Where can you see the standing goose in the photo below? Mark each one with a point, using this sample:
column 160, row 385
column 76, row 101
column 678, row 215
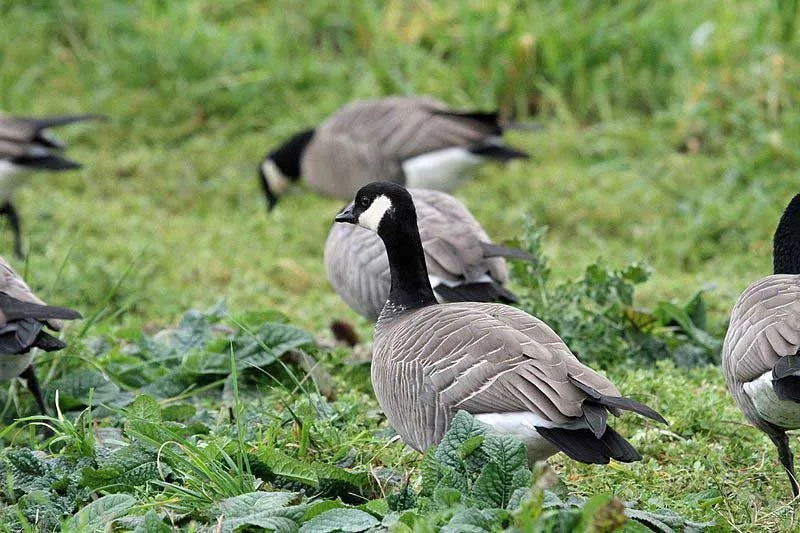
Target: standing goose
column 23, row 317
column 462, row 264
column 504, row 366
column 25, row 145
column 416, row 141
column 760, row 354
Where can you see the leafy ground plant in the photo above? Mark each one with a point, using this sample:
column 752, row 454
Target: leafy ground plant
column 597, row 317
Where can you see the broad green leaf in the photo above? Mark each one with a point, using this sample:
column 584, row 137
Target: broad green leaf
column 260, row 349
column 280, row 464
column 146, row 408
column 267, row 510
column 431, row 472
column 463, row 427
column 347, row 520
column 99, row 514
column 505, row 473
column 180, row 412
column 76, row 387
column 127, row 468
column 152, row 523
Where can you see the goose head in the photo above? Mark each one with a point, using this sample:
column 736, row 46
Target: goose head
column 786, row 242
column 382, row 207
column 281, row 167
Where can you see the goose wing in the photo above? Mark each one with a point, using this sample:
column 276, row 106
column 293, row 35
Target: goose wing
column 405, row 127
column 453, row 240
column 764, row 326
column 483, row 358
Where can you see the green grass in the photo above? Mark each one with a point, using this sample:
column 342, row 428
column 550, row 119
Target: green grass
column 670, row 135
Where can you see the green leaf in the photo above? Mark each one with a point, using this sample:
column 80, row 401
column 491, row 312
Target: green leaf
column 127, row 468
column 431, row 472
column 505, row 473
column 152, row 523
column 75, row 387
column 463, row 427
column 469, row 446
column 99, row 514
column 260, row 349
column 146, row 408
column 696, row 309
column 180, row 412
column 260, row 509
column 280, row 464
column 348, row 520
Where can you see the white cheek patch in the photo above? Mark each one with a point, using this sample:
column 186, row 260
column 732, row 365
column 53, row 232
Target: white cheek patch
column 371, row 218
column 275, row 178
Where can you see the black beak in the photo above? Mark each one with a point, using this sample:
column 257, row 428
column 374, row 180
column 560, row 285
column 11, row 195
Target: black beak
column 347, row 216
column 271, row 198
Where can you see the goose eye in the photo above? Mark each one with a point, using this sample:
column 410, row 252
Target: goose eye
column 364, row 202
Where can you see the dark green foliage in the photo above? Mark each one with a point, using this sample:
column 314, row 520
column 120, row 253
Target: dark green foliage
column 597, row 317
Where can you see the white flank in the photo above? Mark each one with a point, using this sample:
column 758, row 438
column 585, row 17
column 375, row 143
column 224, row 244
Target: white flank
column 12, row 365
column 443, row 170
column 11, row 176
column 371, row 218
column 436, row 281
column 782, row 413
column 275, row 178
column 522, row 425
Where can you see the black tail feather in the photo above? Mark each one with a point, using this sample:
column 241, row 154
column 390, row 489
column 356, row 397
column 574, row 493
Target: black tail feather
column 48, row 343
column 786, row 378
column 496, row 250
column 499, row 152
column 475, row 292
column 487, row 118
column 45, row 162
column 15, row 309
column 53, row 122
column 582, row 445
column 619, row 402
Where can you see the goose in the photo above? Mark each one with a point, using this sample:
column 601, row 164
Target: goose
column 463, row 265
column 500, row 364
column 26, row 145
column 760, row 357
column 413, row 140
column 23, row 317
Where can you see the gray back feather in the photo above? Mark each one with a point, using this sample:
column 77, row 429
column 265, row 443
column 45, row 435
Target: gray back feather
column 483, row 358
column 368, row 141
column 764, row 326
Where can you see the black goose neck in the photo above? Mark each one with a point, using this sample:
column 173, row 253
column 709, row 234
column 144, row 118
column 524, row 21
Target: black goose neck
column 786, row 242
column 411, row 287
column 289, row 155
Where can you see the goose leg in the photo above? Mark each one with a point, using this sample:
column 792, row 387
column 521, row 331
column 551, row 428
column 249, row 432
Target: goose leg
column 10, row 212
column 781, row 441
column 32, row 382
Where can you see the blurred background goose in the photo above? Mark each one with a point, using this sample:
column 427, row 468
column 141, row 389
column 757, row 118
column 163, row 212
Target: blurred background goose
column 500, row 364
column 23, row 317
column 412, row 140
column 462, row 263
column 759, row 355
column 26, row 145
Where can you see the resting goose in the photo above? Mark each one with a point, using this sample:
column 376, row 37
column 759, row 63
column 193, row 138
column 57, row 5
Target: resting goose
column 25, row 145
column 760, row 354
column 462, row 264
column 413, row 140
column 23, row 317
column 502, row 365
